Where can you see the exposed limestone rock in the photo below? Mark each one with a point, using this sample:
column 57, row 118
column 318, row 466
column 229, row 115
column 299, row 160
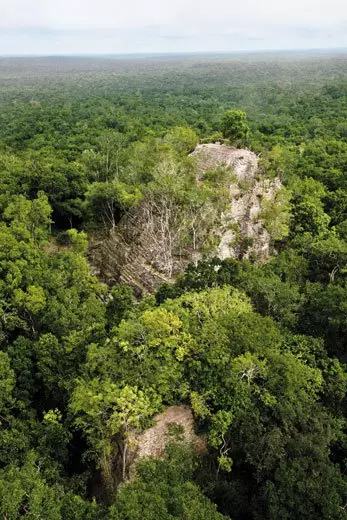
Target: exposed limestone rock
column 131, row 255
column 244, row 163
column 242, row 234
column 127, row 255
column 175, row 424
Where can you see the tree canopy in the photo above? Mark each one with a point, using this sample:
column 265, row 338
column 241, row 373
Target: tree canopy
column 255, row 350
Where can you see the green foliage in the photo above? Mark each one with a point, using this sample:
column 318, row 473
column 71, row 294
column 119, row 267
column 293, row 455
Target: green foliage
column 24, row 491
column 276, row 214
column 182, row 140
column 106, row 201
column 164, row 489
column 7, row 381
column 104, row 410
column 257, row 350
column 234, row 125
column 306, row 475
column 77, row 241
column 106, row 162
column 308, row 208
column 120, row 301
column 31, row 216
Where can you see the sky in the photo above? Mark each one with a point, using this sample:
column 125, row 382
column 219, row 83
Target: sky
column 56, row 27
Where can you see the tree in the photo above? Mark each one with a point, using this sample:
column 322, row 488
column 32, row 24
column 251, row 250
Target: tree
column 297, row 488
column 32, row 215
column 109, row 414
column 183, row 140
column 106, row 163
column 107, row 201
column 308, row 208
column 7, row 383
column 120, row 300
column 324, row 315
column 164, row 489
column 25, row 492
column 276, row 214
column 234, row 125
column 181, row 216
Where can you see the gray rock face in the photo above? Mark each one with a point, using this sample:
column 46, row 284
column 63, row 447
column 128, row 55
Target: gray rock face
column 175, row 424
column 242, row 232
column 129, row 254
column 244, row 163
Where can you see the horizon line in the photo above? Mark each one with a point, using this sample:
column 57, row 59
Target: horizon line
column 174, row 53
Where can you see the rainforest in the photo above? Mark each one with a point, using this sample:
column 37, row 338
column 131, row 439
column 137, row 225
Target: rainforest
column 173, row 287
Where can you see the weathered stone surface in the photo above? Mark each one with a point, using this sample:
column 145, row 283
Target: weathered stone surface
column 130, row 255
column 244, row 163
column 175, row 424
column 242, row 232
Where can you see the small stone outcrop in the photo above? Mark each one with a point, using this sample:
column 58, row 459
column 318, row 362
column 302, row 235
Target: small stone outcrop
column 175, row 424
column 244, row 163
column 243, row 234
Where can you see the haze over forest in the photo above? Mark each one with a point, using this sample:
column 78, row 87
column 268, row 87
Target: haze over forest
column 108, row 27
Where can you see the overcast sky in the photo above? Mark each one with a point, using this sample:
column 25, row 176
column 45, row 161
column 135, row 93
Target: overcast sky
column 133, row 26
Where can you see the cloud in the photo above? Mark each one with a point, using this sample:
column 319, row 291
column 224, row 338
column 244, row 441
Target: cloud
column 111, row 26
column 137, row 13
